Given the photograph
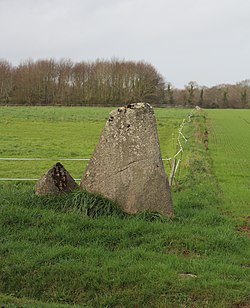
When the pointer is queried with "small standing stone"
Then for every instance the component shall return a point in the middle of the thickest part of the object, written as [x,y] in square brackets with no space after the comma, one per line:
[55,180]
[126,166]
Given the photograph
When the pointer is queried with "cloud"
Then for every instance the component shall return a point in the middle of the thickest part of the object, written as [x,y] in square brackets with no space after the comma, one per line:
[202,40]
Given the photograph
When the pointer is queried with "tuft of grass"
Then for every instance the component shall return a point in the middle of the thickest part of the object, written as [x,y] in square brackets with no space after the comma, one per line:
[81,202]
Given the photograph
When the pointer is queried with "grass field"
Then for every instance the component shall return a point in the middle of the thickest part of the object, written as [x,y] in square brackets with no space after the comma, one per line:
[230,151]
[52,252]
[50,132]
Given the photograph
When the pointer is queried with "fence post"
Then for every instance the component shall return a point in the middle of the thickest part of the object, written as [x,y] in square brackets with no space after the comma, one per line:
[172,173]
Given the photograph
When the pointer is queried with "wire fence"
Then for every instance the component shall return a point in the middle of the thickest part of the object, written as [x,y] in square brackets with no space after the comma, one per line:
[36,159]
[40,159]
[51,159]
[174,162]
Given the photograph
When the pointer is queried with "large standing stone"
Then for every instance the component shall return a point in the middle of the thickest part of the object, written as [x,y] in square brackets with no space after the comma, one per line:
[126,166]
[55,180]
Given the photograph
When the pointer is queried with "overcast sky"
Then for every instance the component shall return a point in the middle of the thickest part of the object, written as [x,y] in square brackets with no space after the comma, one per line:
[203,40]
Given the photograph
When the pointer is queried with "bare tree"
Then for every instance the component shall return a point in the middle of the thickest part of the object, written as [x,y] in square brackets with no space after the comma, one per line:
[106,82]
[6,81]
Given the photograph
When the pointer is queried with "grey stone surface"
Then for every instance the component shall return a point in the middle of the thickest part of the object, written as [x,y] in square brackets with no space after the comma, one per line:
[126,166]
[55,180]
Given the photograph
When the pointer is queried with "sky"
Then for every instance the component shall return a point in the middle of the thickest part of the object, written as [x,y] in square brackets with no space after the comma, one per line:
[207,41]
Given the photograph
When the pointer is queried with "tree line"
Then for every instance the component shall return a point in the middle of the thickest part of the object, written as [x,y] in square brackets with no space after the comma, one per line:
[220,96]
[108,82]
[50,82]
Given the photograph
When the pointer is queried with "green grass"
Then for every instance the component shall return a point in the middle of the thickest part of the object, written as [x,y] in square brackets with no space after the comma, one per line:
[230,150]
[54,132]
[51,253]
[44,132]
[79,249]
